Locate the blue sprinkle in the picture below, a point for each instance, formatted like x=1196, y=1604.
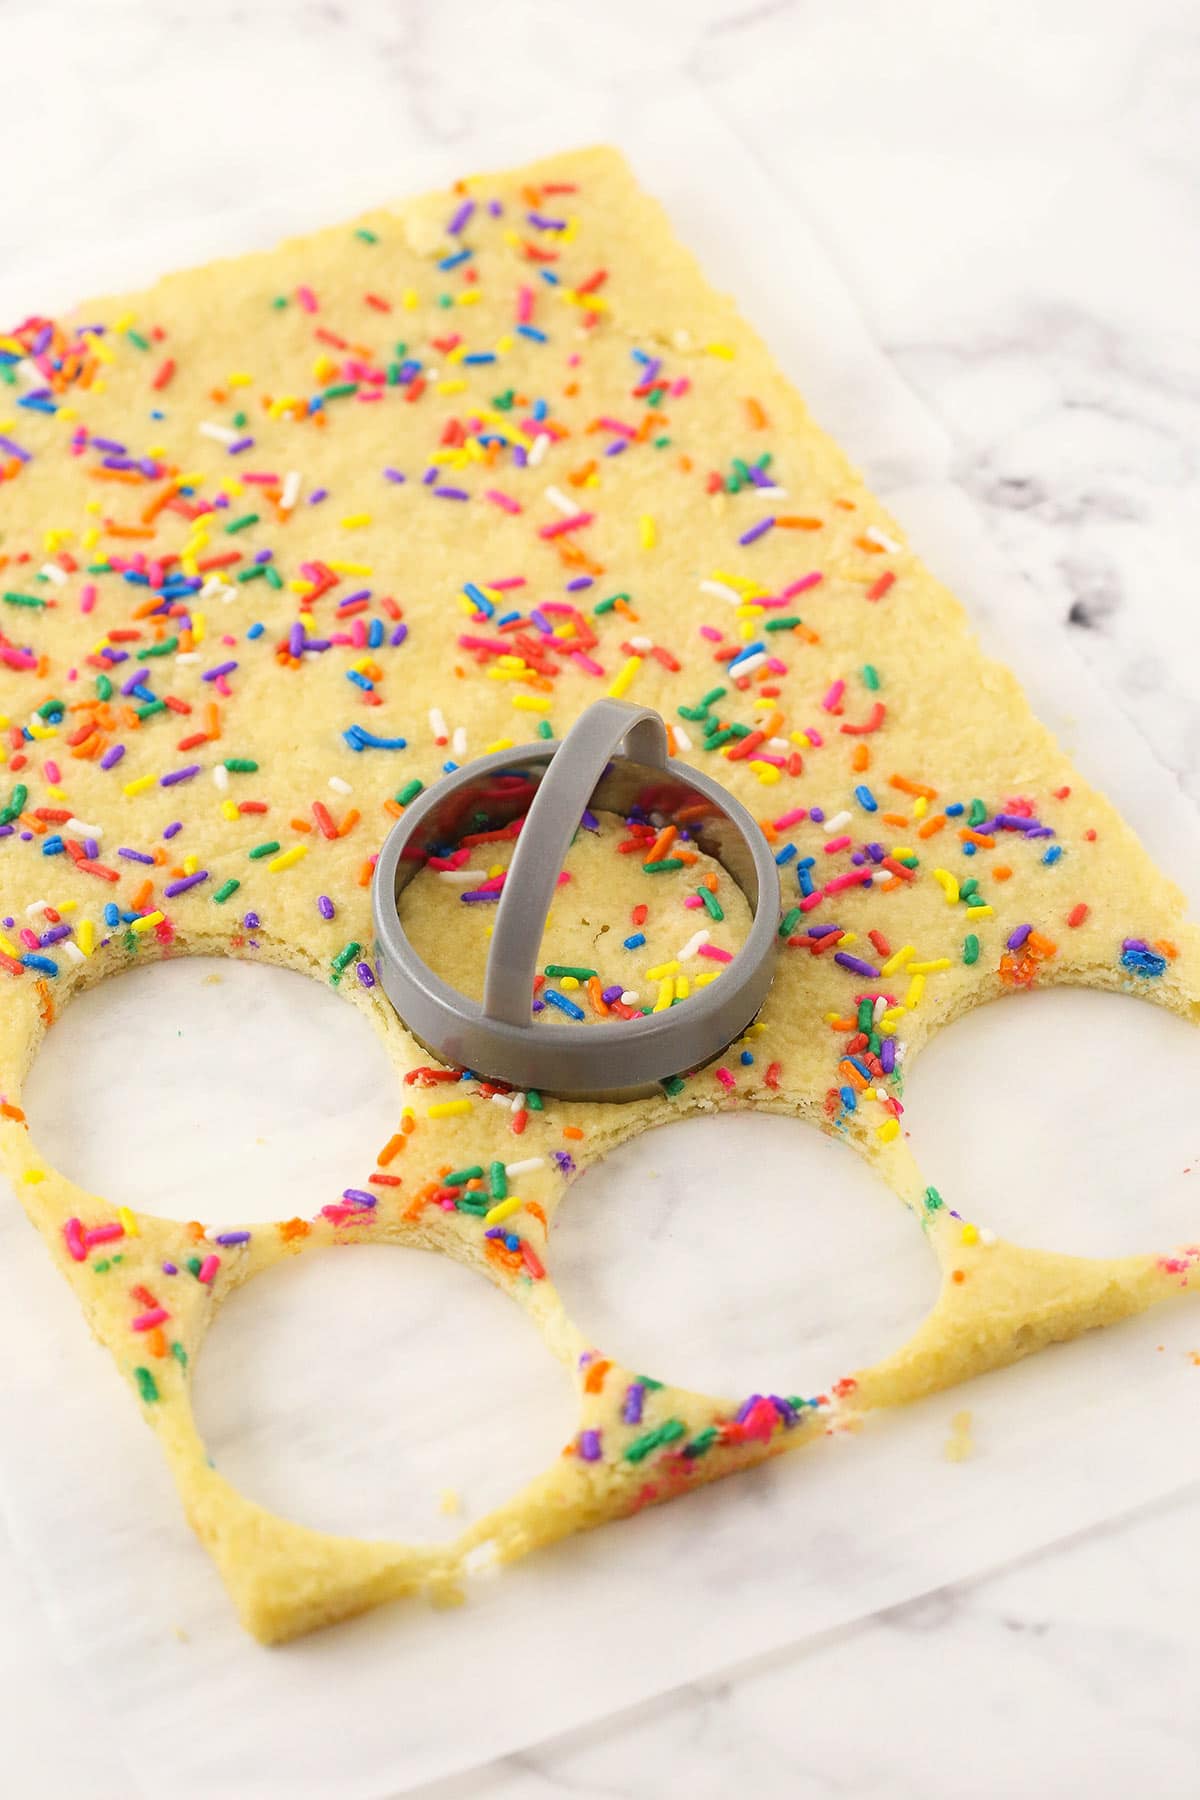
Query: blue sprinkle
x=256, y=630
x=786, y=854
x=956, y=811
x=636, y=941
x=531, y=331
x=1138, y=961
x=1053, y=853
x=848, y=1099
x=564, y=1005
x=866, y=799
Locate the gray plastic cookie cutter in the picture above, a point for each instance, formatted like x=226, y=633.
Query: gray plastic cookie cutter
x=614, y=759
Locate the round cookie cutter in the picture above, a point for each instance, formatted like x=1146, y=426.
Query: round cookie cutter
x=614, y=759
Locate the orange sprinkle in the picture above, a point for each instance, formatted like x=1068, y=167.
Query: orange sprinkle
x=391, y=1149
x=289, y=1229
x=141, y=898
x=661, y=846
x=9, y=1111
x=798, y=522
x=755, y=414
x=299, y=824
x=1002, y=872
x=918, y=789
x=365, y=873
x=932, y=826
x=979, y=838
x=593, y=1381
x=572, y=1131
x=1167, y=948
x=349, y=822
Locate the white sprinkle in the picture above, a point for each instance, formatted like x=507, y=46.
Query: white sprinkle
x=631, y=998
x=30, y=373
x=73, y=952
x=92, y=831
x=681, y=738
x=458, y=743
x=642, y=644
x=525, y=1167
x=220, y=776
x=721, y=592
x=836, y=823
x=466, y=876
x=437, y=722
x=692, y=947
x=220, y=434
x=779, y=745
x=556, y=497
x=986, y=1236
x=339, y=786
x=770, y=493
x=748, y=665
x=187, y=656
x=290, y=492
x=516, y=1102
x=882, y=539
x=880, y=1007
x=35, y=907
x=541, y=444
x=52, y=572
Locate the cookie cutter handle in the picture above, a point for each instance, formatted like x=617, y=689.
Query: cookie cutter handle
x=550, y=824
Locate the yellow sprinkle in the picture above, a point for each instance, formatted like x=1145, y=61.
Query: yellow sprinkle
x=920, y=807
x=503, y=1209
x=898, y=959
x=624, y=677
x=138, y=786
x=124, y=321
x=725, y=350
x=497, y=744
x=980, y=912
x=450, y=387
x=504, y=343
x=969, y=1234
x=90, y=538
x=916, y=988
x=199, y=627
x=35, y=1175
x=948, y=885
x=147, y=922
x=229, y=809
x=532, y=702
x=496, y=869
x=132, y=1228
x=287, y=858
x=448, y=1109
x=569, y=981
x=8, y=947
x=85, y=937
x=355, y=521
x=888, y=1130
x=469, y=297
x=767, y=773
x=666, y=993
x=190, y=864
x=681, y=987
x=346, y=568
x=661, y=969
x=410, y=299
x=41, y=731
x=647, y=535
x=929, y=968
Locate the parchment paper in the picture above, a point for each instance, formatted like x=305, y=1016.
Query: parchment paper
x=406, y=1695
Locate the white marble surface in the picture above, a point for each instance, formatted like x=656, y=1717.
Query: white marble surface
x=1012, y=192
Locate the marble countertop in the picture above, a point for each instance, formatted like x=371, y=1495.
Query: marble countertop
x=1012, y=194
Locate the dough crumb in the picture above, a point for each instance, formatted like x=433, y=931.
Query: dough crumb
x=959, y=1445
x=450, y=1501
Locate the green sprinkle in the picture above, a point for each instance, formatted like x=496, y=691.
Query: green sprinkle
x=977, y=814
x=787, y=924
x=340, y=390
x=606, y=606
x=151, y=707
x=473, y=1204
x=274, y=578
x=785, y=624
x=497, y=1181
x=870, y=675
x=16, y=804
x=460, y=1177
x=142, y=343
x=166, y=648
x=672, y=1085
x=970, y=948
x=254, y=573
x=641, y=1447
x=368, y=237
x=713, y=695
x=345, y=956
x=704, y=1440
x=104, y=688
x=968, y=888
x=557, y=970
x=147, y=1386
x=719, y=737
x=241, y=524
x=226, y=888
x=260, y=850
x=661, y=867
x=102, y=1268
x=504, y=402
x=866, y=1013
x=545, y=729
x=712, y=905
x=193, y=1265
x=933, y=1200
x=241, y=765
x=409, y=791
x=648, y=1382
x=239, y=419
x=179, y=1353
x=279, y=302
x=533, y=1101
x=16, y=599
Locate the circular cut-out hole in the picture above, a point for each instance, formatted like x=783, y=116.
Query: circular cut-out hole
x=1064, y=1120
x=206, y=1088
x=379, y=1391
x=741, y=1252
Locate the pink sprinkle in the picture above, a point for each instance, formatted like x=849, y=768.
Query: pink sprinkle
x=776, y=666
x=51, y=769
x=711, y=633
x=795, y=817
x=836, y=844
x=586, y=663
x=799, y=587
x=510, y=581
x=307, y=299
x=499, y=499
x=726, y=1079
x=811, y=900
x=854, y=878
x=769, y=756
x=208, y=1269
x=693, y=901
x=358, y=633
x=680, y=386
x=575, y=522
x=73, y=1232
x=717, y=955
x=87, y=597
x=814, y=737
x=223, y=688
x=830, y=702
x=524, y=305
x=103, y=1234
x=148, y=1320
x=559, y=606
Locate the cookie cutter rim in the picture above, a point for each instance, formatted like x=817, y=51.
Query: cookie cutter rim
x=496, y=1037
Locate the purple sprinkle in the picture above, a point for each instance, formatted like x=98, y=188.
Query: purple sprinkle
x=173, y=829
x=11, y=449
x=138, y=856
x=746, y=1408
x=178, y=775
x=264, y=556
x=580, y=581
x=296, y=639
x=1134, y=944
x=589, y=820
x=398, y=636
x=240, y=444
x=91, y=848
x=55, y=935
x=635, y=1395
x=429, y=477
x=609, y=994
x=252, y=921
x=855, y=964
x=229, y=1238
x=352, y=599
x=325, y=906
x=184, y=883
x=451, y=493
x=887, y=1055
x=1018, y=936
x=170, y=1268
x=112, y=756
x=358, y=1196
x=460, y=218
x=363, y=971
x=133, y=680
x=820, y=931
x=617, y=447
x=589, y=1446
x=394, y=475
x=756, y=531
x=564, y=1162
x=816, y=814
x=318, y=494
x=225, y=668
